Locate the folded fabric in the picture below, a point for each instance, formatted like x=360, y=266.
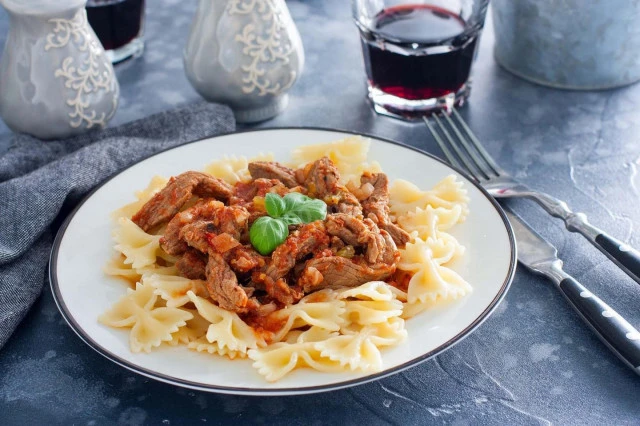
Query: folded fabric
x=40, y=182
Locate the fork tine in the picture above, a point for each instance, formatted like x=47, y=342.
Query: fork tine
x=471, y=166
x=443, y=146
x=477, y=160
x=477, y=145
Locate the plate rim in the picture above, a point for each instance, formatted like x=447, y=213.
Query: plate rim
x=86, y=338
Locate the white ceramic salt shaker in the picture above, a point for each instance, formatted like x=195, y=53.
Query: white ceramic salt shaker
x=246, y=54
x=55, y=79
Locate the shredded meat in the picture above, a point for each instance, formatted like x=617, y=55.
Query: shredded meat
x=322, y=180
x=245, y=259
x=176, y=193
x=202, y=237
x=376, y=206
x=281, y=292
x=273, y=170
x=246, y=192
x=356, y=243
x=223, y=286
x=338, y=271
x=196, y=235
x=304, y=241
x=362, y=233
x=310, y=278
x=192, y=265
x=232, y=220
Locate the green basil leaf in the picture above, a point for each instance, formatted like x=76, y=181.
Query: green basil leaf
x=267, y=233
x=312, y=210
x=293, y=200
x=291, y=218
x=274, y=204
x=308, y=211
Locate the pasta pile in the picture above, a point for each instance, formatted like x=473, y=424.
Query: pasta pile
x=329, y=330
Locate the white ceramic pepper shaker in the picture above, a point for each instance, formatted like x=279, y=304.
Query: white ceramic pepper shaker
x=55, y=79
x=246, y=54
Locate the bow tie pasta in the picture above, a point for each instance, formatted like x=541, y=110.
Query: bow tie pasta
x=392, y=244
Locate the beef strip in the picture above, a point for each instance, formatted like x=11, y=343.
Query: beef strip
x=245, y=192
x=232, y=220
x=166, y=203
x=399, y=235
x=192, y=264
x=383, y=249
x=310, y=278
x=376, y=206
x=338, y=271
x=202, y=237
x=300, y=243
x=244, y=259
x=362, y=233
x=196, y=235
x=223, y=286
x=273, y=170
x=280, y=291
x=203, y=210
x=322, y=180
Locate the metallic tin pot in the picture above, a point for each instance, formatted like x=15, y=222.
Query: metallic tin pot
x=569, y=44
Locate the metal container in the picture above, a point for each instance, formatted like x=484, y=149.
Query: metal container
x=569, y=44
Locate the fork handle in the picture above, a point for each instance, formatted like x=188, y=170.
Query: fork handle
x=613, y=330
x=623, y=255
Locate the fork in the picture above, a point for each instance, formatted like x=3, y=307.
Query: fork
x=464, y=150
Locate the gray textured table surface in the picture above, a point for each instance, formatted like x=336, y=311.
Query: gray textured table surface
x=532, y=362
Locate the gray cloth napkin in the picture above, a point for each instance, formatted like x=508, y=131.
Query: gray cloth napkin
x=41, y=181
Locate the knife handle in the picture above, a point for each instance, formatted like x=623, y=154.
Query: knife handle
x=623, y=255
x=614, y=331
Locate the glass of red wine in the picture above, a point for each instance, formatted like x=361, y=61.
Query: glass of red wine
x=418, y=54
x=119, y=26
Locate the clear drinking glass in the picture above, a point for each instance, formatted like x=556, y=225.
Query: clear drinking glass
x=418, y=54
x=119, y=25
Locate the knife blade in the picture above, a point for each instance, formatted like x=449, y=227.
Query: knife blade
x=541, y=257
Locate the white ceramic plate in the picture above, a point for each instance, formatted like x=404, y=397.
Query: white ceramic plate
x=83, y=245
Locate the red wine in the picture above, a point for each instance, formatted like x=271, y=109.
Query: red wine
x=115, y=22
x=418, y=52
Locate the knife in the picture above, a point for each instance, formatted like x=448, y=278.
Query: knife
x=541, y=257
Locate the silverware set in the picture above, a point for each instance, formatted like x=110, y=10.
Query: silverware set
x=463, y=149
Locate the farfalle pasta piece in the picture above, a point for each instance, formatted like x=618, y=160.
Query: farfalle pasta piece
x=150, y=326
x=405, y=197
x=424, y=224
x=234, y=169
x=388, y=333
x=349, y=155
x=313, y=334
x=410, y=310
x=194, y=329
x=356, y=351
x=203, y=345
x=370, y=303
x=279, y=359
x=139, y=248
x=156, y=184
x=226, y=328
x=373, y=290
x=429, y=222
x=430, y=280
x=117, y=267
x=371, y=311
x=326, y=315
x=173, y=289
